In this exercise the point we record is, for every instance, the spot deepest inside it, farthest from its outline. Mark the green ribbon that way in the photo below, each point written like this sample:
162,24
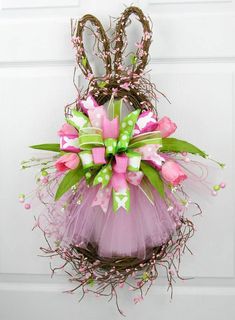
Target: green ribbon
114,108
134,160
89,138
145,139
110,146
77,119
126,130
103,176
121,200
86,159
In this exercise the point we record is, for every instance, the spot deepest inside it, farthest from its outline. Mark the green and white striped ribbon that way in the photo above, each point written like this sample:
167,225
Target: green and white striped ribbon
89,138
146,138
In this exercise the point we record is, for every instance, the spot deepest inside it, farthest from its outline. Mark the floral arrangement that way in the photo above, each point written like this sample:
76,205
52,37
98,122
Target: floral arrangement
114,189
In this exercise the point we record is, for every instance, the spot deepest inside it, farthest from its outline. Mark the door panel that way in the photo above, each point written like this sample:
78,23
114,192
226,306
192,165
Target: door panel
193,63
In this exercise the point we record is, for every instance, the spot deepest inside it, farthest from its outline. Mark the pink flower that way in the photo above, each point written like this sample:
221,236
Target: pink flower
67,162
166,127
67,130
172,172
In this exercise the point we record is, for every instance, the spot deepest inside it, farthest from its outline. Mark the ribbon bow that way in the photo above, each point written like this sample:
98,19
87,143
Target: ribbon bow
106,142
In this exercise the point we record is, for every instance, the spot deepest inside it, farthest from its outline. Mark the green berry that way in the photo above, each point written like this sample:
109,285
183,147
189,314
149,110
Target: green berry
216,187
44,173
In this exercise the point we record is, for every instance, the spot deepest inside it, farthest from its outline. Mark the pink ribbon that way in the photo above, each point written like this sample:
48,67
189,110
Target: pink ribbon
102,198
134,178
96,116
98,155
146,122
88,104
110,128
149,153
68,138
118,180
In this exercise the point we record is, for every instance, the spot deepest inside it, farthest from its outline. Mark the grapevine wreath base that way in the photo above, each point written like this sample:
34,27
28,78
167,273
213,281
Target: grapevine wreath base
113,195
102,276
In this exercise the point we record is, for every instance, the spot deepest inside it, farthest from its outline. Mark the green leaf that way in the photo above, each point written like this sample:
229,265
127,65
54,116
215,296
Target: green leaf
69,180
91,282
133,59
176,145
153,177
145,276
48,146
84,61
102,84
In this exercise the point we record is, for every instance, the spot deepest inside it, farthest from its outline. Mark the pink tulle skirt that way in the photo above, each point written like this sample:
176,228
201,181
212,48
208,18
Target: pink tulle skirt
73,220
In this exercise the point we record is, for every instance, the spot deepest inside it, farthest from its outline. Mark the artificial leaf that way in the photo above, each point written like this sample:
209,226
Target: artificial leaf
102,84
133,59
176,145
48,146
153,177
91,282
84,61
69,180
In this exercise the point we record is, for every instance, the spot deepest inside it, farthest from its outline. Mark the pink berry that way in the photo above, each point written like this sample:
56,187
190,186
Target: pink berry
214,193
27,206
184,153
222,185
21,200
186,159
45,180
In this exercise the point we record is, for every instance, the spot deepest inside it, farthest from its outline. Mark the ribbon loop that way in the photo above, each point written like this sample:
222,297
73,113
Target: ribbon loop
134,159
86,158
110,146
126,130
90,137
145,139
103,176
114,109
77,119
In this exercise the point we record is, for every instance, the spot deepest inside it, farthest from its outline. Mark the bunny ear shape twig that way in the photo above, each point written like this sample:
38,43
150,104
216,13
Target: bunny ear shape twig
141,56
100,36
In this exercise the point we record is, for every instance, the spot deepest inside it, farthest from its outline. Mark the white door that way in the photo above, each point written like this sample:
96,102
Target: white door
193,63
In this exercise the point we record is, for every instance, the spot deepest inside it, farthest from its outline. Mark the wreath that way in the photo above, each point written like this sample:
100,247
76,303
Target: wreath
114,197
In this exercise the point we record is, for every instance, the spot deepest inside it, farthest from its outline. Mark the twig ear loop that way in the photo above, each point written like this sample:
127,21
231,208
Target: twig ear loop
124,82
101,36
143,49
